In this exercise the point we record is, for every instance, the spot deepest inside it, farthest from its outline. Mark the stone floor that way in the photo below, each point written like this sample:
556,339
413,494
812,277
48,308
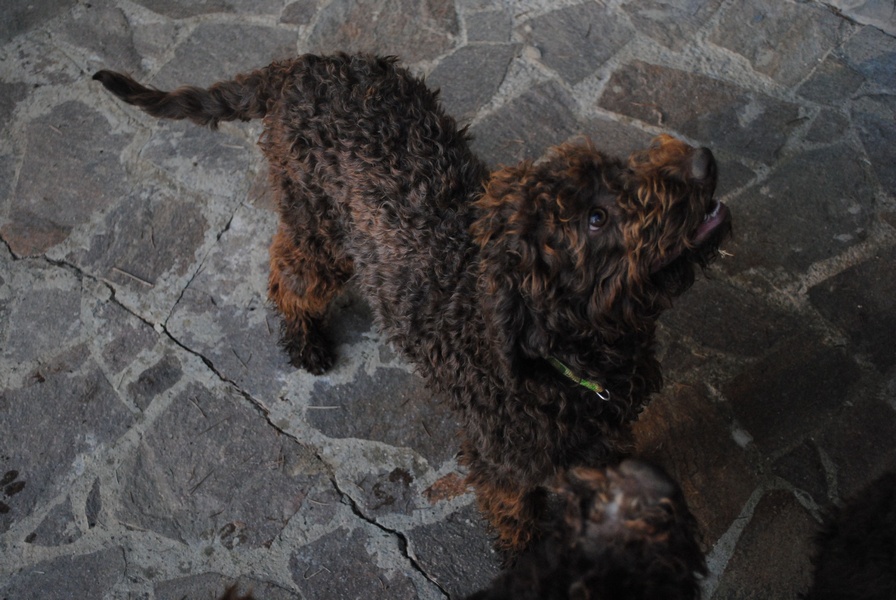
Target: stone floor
155,444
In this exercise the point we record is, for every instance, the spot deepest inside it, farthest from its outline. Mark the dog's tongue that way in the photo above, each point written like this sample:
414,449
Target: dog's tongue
717,215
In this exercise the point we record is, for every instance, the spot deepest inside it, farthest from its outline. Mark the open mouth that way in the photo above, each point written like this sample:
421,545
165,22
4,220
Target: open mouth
717,216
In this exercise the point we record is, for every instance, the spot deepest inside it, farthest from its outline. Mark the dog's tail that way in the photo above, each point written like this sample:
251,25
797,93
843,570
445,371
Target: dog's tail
246,97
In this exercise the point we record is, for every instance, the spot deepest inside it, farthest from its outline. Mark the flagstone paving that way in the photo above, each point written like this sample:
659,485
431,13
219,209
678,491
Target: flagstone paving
154,441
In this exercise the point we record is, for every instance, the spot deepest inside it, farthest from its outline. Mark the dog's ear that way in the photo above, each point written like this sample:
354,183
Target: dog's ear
512,269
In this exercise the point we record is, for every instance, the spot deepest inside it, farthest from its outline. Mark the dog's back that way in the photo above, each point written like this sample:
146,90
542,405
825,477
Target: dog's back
373,180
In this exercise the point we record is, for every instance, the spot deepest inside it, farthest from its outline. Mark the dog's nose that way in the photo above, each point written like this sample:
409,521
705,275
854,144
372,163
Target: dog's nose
703,165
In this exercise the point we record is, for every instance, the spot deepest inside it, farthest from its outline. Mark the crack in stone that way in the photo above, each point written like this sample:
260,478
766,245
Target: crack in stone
403,543
9,249
201,266
402,538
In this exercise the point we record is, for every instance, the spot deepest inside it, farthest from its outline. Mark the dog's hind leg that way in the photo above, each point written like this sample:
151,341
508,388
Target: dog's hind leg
513,513
304,278
512,510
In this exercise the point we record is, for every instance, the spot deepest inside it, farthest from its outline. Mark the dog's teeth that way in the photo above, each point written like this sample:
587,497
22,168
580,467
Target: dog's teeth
715,211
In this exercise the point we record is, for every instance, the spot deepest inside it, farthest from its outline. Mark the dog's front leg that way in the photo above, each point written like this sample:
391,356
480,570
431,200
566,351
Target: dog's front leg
301,286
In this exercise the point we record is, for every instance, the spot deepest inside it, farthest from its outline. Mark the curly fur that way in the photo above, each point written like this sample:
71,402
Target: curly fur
856,557
476,277
626,534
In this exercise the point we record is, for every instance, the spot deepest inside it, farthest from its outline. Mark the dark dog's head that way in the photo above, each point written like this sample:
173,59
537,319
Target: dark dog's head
628,533
579,246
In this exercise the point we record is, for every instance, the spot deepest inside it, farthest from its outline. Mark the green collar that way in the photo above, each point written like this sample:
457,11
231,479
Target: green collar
602,392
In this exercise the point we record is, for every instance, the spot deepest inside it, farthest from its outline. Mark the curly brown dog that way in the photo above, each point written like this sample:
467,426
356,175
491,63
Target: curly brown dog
623,533
529,295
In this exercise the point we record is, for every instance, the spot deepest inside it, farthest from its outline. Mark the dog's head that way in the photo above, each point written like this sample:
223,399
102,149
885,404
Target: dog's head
628,533
579,245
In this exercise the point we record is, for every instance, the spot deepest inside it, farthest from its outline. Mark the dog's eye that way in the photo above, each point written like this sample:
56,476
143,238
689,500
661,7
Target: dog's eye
597,219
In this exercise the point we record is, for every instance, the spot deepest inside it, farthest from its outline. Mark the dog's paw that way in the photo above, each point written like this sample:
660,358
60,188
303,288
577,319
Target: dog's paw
307,347
311,353
315,359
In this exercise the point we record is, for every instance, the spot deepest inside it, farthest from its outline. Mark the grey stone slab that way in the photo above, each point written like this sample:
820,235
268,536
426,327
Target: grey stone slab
489,26
577,40
104,35
860,444
733,175
814,206
791,392
299,13
390,406
859,301
828,126
93,506
121,336
211,471
257,7
218,51
340,565
149,235
456,552
689,435
155,380
469,77
223,313
412,30
7,174
674,25
772,558
93,575
21,17
70,169
11,93
526,126
11,486
41,62
781,39
873,117
616,139
154,38
210,586
716,113
872,53
210,162
802,468
66,410
878,13
388,491
184,10
44,319
832,82
260,194
712,314
58,528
